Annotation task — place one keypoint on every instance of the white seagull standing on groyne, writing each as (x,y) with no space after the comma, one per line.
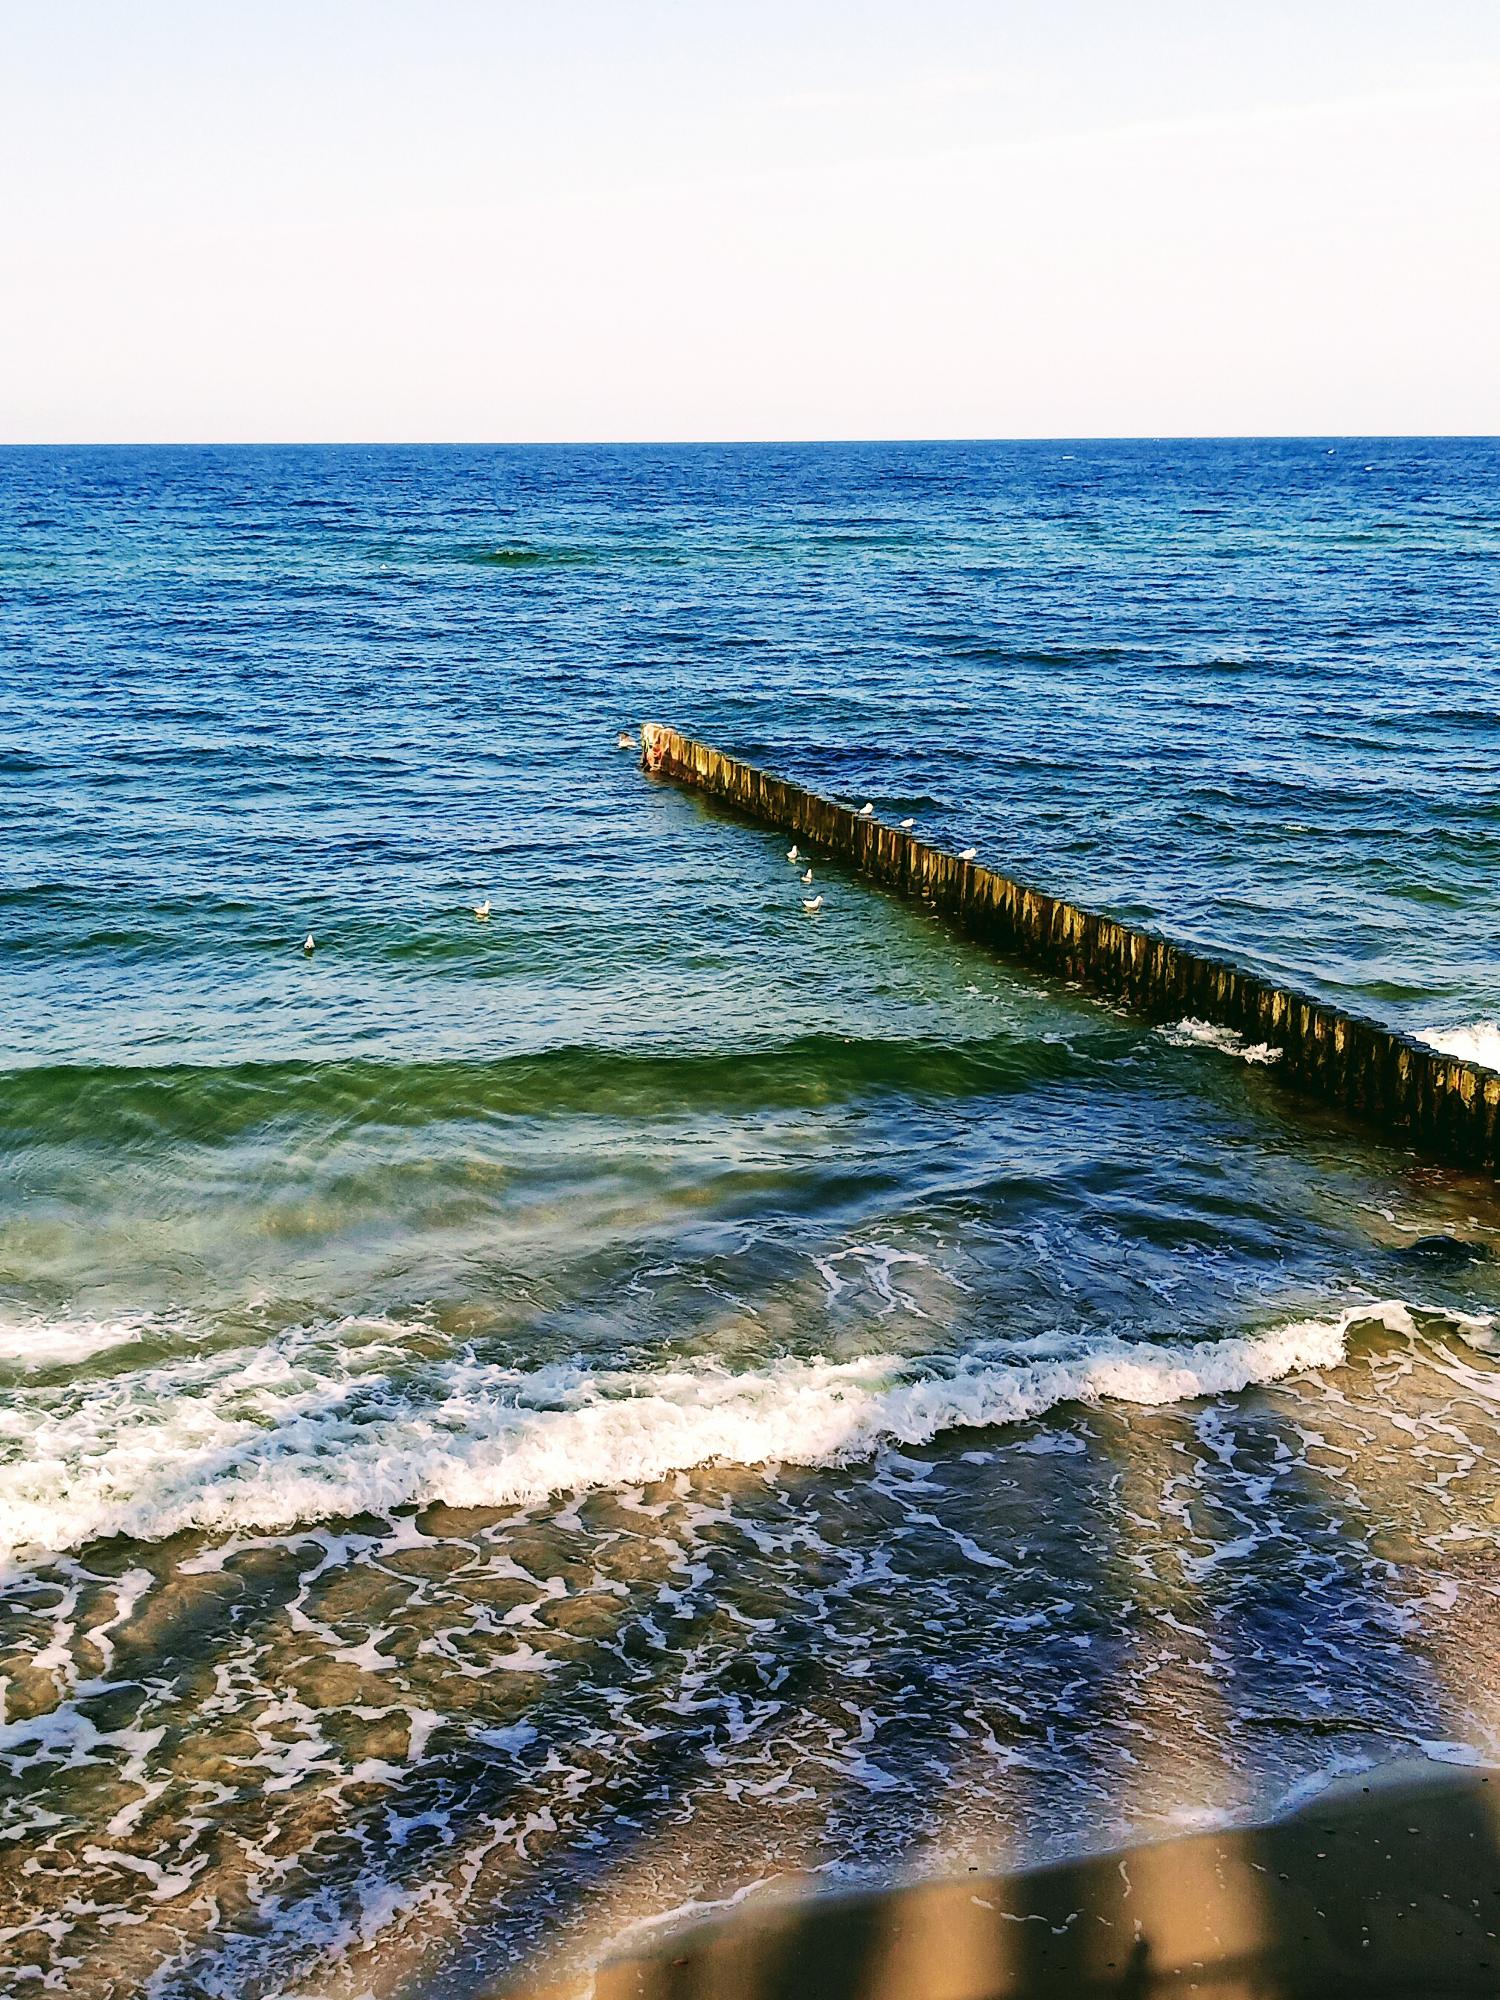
(907,825)
(482,910)
(308,942)
(812,904)
(968,854)
(867,811)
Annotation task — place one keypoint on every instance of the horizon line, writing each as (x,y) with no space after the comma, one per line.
(699,443)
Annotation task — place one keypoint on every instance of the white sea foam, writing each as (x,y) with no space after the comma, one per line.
(1190,1034)
(41,1343)
(1479,1042)
(266,1439)
(875,1261)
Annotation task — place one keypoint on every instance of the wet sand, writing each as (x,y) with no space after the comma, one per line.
(1385,1884)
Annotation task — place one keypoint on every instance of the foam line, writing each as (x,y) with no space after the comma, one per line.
(271,1439)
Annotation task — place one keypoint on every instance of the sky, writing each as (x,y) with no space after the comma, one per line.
(638,219)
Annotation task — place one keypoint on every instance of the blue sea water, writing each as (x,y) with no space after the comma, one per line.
(509,1426)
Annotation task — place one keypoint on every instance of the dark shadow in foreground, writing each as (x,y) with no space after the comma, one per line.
(1388,1887)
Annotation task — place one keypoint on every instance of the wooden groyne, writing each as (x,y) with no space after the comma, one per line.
(1446,1108)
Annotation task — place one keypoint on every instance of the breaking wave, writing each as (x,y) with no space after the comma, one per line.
(36,1344)
(322,1424)
(1190,1034)
(1478,1043)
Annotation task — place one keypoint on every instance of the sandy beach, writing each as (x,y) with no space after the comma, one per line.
(1384,1885)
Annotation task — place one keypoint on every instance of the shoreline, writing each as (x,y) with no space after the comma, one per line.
(1387,1882)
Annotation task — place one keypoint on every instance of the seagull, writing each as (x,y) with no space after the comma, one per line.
(625,741)
(482,910)
(812,904)
(307,942)
(968,854)
(866,811)
(907,825)
(807,878)
(792,854)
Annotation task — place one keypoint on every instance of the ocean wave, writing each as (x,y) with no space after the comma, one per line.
(1190,1034)
(523,555)
(313,1426)
(1477,1043)
(124,1104)
(59,1343)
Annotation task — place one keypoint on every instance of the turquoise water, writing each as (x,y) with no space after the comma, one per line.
(509,1427)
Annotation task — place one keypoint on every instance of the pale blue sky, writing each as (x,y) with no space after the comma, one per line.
(453,220)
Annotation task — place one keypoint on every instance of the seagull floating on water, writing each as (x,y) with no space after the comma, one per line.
(791,853)
(812,904)
(968,854)
(907,825)
(307,942)
(482,910)
(625,741)
(866,811)
(807,878)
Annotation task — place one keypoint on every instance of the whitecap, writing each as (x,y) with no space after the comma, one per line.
(1189,1034)
(264,1439)
(59,1343)
(1479,1042)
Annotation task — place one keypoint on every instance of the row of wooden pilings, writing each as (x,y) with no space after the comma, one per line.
(1447,1108)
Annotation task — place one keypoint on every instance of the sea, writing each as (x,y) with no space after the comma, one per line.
(518,1429)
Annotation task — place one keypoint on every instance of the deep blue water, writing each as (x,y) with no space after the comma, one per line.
(653,1314)
(1245,690)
